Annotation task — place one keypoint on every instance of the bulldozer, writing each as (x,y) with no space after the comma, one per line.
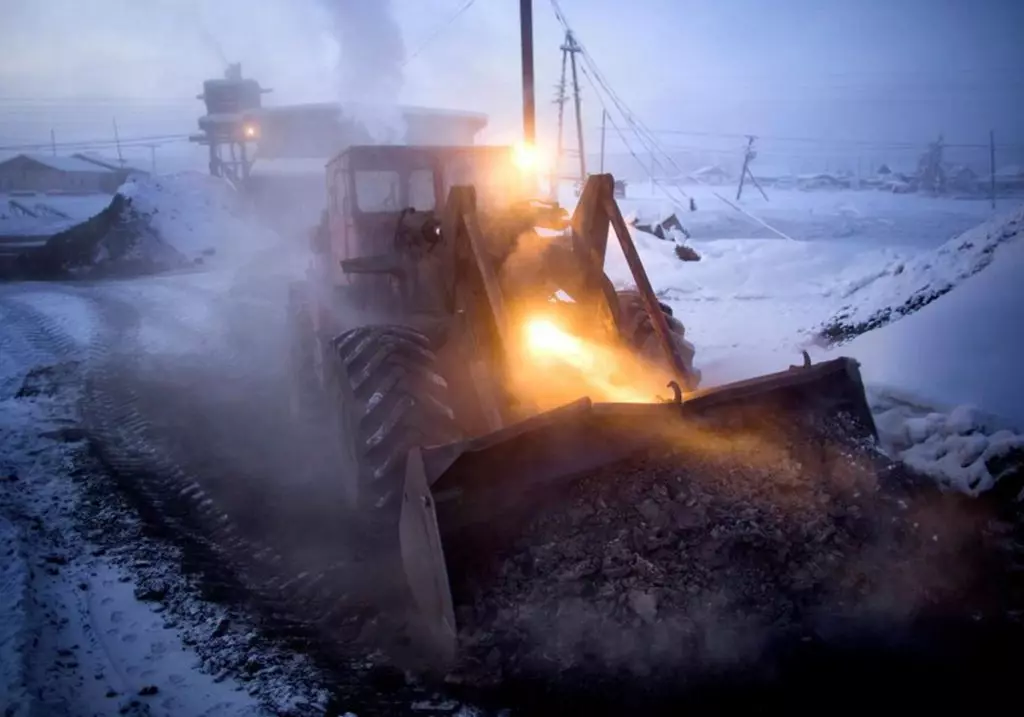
(471,353)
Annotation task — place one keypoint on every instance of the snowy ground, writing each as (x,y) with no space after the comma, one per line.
(942,377)
(83,630)
(751,304)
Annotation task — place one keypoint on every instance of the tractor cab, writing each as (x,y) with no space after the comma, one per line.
(373,189)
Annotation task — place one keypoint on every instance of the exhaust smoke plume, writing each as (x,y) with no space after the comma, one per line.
(369,74)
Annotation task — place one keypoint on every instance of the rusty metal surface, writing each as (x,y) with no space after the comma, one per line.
(501,472)
(646,291)
(424,563)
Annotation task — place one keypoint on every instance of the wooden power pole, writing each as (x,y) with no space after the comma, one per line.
(748,155)
(117,141)
(992,165)
(529,101)
(569,51)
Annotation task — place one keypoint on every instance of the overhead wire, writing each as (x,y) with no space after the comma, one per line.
(97,143)
(622,137)
(640,130)
(442,27)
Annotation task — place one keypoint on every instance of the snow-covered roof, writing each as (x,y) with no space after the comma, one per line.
(106,162)
(711,169)
(62,164)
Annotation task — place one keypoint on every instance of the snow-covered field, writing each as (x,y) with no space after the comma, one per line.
(942,379)
(935,313)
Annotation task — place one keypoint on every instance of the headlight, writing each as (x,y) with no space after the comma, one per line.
(528,158)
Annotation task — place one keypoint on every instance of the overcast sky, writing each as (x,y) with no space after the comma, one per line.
(841,69)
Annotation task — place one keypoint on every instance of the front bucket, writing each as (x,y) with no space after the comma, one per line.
(468,495)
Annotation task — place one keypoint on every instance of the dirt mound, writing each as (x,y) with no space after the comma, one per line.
(681,568)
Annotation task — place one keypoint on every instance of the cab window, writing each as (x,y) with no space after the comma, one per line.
(378,191)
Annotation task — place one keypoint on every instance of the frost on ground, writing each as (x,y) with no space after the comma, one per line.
(96,618)
(906,286)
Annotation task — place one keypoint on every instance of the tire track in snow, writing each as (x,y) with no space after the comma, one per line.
(301,603)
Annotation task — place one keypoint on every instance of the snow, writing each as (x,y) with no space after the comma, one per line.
(73,637)
(197,215)
(956,449)
(941,310)
(867,217)
(905,285)
(66,164)
(963,348)
(55,213)
(942,383)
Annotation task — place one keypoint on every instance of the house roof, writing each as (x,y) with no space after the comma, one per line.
(108,163)
(61,164)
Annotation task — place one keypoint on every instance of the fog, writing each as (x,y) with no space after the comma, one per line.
(810,77)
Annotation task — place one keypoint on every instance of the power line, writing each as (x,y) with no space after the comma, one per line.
(638,127)
(141,102)
(440,29)
(823,141)
(97,143)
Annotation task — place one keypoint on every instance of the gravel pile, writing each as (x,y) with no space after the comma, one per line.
(687,563)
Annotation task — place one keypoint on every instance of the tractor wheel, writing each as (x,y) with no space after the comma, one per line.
(304,389)
(391,398)
(639,333)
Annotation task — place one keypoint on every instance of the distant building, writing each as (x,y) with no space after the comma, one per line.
(122,170)
(712,174)
(43,173)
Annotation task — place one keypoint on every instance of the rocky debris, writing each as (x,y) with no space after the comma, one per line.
(686,253)
(681,564)
(48,380)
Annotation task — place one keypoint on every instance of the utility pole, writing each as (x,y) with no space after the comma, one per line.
(569,49)
(992,165)
(152,158)
(572,48)
(53,142)
(748,155)
(117,141)
(526,39)
(560,98)
(604,127)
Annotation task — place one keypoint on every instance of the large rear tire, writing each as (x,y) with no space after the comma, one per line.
(391,398)
(638,331)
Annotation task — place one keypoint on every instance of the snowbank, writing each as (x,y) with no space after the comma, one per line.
(951,396)
(748,305)
(964,348)
(196,215)
(156,224)
(964,449)
(905,286)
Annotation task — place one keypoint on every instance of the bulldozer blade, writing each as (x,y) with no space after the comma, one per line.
(462,500)
(423,560)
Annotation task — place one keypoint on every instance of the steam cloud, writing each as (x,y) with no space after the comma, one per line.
(369,71)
